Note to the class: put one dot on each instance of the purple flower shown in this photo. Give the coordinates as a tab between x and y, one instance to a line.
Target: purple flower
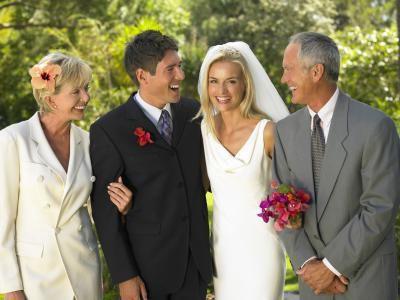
266	214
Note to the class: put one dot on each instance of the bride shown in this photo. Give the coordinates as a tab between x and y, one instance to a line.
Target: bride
238	100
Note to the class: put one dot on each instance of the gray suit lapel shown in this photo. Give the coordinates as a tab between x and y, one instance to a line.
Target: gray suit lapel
335	153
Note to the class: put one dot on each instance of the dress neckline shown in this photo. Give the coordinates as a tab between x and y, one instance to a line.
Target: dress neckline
243	146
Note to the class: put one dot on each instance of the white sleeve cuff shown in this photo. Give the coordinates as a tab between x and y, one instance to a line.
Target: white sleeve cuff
311	258
330	267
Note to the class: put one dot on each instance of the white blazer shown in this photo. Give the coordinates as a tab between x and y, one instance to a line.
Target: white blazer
47	245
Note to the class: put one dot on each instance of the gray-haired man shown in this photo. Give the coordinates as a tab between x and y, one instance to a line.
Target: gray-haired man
346	154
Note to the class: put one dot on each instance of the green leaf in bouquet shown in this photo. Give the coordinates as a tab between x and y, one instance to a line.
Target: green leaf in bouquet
283	188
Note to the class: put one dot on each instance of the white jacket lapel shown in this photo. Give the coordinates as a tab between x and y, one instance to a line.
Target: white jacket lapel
44	151
75	157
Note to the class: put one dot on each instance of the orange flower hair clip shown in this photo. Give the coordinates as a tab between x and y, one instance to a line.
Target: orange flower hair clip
44	75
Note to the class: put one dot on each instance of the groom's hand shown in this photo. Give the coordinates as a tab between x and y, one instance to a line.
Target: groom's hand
316	275
133	289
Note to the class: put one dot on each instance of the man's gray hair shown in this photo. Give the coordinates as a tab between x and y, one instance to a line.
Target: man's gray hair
316	48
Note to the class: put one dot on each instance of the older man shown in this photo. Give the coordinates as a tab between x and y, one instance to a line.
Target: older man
346	154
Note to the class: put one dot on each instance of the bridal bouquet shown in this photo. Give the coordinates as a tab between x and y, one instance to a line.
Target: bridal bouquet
285	205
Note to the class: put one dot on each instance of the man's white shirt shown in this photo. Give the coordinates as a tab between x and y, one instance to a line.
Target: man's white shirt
152	112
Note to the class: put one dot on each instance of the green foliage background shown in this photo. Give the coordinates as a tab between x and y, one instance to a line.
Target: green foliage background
97	30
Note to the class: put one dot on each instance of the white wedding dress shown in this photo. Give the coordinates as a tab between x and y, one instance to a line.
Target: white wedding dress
249	258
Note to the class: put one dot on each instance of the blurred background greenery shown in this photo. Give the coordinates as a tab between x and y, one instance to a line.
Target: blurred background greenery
97	30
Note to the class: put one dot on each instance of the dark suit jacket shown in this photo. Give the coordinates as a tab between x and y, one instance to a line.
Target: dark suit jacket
169	212
351	221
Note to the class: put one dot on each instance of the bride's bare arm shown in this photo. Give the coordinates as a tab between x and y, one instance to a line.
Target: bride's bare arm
269	138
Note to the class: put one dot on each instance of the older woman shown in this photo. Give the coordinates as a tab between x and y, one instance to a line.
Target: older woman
47	246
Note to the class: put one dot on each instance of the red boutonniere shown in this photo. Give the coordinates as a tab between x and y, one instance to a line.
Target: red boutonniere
143	137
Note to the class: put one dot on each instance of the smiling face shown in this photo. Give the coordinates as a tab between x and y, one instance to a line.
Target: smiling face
226	85
164	86
70	102
298	78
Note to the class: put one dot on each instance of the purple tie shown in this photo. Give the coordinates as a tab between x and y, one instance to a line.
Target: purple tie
164	126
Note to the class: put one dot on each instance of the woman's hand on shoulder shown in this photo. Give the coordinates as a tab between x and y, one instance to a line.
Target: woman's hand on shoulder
269	139
17	295
120	195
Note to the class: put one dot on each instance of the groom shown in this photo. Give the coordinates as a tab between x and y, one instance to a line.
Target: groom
346	155
161	250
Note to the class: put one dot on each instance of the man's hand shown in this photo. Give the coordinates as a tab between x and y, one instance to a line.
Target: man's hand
133	289
336	287
17	295
316	275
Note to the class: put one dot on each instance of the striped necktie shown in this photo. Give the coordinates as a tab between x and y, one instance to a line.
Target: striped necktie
164	126
318	150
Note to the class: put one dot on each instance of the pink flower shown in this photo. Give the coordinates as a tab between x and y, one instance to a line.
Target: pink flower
274	184
279	225
285	205
44	75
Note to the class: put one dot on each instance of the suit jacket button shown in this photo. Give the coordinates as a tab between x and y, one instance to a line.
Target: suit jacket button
180	184
40	178
57	230
316	236
93	178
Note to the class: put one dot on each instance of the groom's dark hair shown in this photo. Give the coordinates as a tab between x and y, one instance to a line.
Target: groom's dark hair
145	51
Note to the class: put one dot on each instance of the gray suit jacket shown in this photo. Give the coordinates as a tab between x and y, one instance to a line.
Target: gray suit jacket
352	221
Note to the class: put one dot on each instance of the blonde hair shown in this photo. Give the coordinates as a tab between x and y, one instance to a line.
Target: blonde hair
248	108
73	70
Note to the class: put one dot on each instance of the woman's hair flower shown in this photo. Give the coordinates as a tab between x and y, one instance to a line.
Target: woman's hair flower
44	76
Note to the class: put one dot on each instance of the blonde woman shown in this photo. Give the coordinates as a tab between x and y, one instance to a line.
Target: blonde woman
47	246
238	101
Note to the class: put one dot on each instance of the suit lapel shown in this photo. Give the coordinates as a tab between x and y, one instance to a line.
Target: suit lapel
139	119
44	151
178	122
136	114
335	153
75	157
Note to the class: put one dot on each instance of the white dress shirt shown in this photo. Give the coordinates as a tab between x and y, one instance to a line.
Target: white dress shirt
325	114
152	112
